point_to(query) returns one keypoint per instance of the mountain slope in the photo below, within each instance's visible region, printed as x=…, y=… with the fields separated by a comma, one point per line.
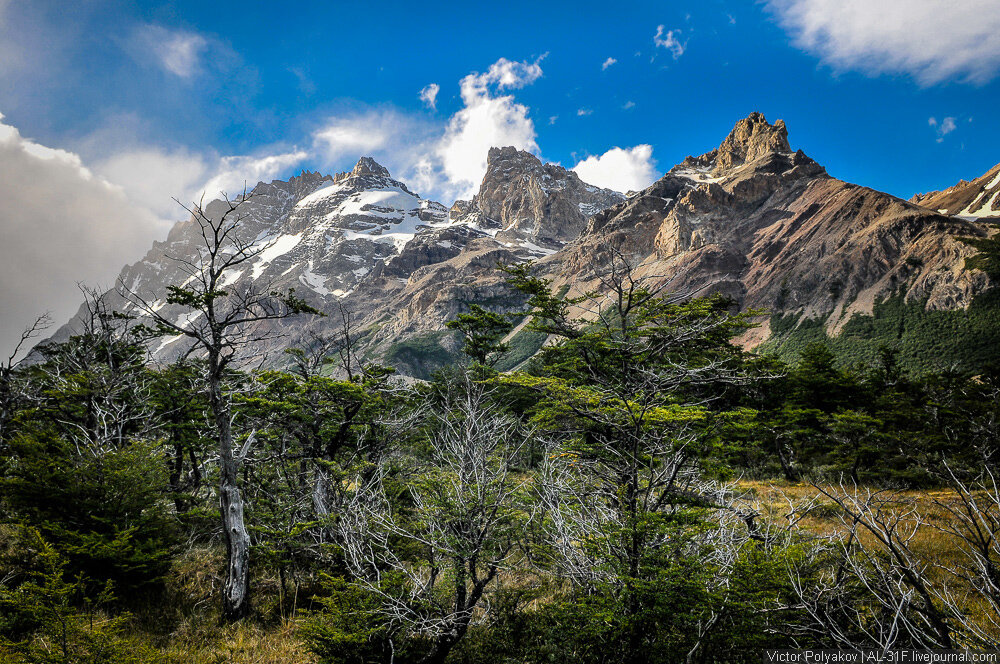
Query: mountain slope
x=362, y=240
x=771, y=229
x=977, y=199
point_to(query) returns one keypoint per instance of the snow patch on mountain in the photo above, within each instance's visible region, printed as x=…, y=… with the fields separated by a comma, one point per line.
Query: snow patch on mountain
x=280, y=246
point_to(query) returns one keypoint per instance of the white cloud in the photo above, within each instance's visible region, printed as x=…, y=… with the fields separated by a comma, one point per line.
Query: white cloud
x=581, y=112
x=395, y=139
x=487, y=120
x=620, y=169
x=669, y=40
x=234, y=173
x=354, y=135
x=932, y=40
x=62, y=224
x=629, y=104
x=945, y=127
x=607, y=63
x=178, y=52
x=429, y=95
x=503, y=73
x=438, y=161
x=152, y=177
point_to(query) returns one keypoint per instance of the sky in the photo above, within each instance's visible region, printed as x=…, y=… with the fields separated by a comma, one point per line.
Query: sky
x=111, y=110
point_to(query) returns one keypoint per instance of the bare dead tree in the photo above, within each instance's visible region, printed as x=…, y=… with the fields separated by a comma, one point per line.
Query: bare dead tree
x=223, y=322
x=876, y=589
x=104, y=364
x=10, y=395
x=469, y=514
x=972, y=524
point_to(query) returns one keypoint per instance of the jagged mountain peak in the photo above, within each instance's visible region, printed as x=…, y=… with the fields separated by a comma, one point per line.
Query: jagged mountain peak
x=297, y=186
x=509, y=162
x=367, y=172
x=754, y=144
x=368, y=166
x=752, y=137
x=530, y=201
x=510, y=153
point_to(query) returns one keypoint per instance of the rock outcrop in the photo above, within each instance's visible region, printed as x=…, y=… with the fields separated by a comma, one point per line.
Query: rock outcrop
x=527, y=200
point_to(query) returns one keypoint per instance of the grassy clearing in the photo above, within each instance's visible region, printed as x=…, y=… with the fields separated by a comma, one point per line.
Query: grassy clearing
x=244, y=643
x=926, y=511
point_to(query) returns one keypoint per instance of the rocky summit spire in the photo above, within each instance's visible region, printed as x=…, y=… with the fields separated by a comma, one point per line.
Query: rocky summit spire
x=368, y=166
x=543, y=204
x=751, y=138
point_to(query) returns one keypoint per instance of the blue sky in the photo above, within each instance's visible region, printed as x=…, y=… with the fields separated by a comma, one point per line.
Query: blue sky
x=116, y=107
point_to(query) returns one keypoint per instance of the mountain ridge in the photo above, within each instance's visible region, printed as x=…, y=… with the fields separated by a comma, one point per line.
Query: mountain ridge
x=752, y=219
x=979, y=198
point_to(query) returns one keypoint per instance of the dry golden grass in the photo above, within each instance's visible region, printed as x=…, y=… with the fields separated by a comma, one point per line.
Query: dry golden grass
x=243, y=643
x=198, y=636
x=932, y=543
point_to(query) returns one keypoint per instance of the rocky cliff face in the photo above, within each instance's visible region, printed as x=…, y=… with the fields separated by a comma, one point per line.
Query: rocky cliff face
x=527, y=200
x=979, y=199
x=752, y=219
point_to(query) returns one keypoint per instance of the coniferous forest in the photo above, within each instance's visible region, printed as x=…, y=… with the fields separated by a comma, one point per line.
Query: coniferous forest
x=641, y=490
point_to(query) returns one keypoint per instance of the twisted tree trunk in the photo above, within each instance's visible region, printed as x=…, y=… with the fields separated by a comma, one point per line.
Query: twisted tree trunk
x=236, y=591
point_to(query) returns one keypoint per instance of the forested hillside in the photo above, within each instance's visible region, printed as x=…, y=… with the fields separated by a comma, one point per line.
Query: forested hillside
x=641, y=490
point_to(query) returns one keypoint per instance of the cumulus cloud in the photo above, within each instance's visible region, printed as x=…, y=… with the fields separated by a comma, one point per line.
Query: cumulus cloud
x=932, y=40
x=669, y=40
x=487, y=120
x=62, y=224
x=178, y=52
x=607, y=63
x=429, y=95
x=70, y=219
x=582, y=112
x=503, y=73
x=620, y=169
